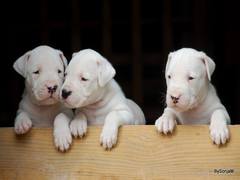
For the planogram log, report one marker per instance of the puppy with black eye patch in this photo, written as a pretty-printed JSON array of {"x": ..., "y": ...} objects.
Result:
[
  {"x": 43, "y": 69},
  {"x": 90, "y": 88},
  {"x": 190, "y": 97}
]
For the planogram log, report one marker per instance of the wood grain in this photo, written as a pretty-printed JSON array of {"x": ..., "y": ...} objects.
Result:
[{"x": 141, "y": 153}]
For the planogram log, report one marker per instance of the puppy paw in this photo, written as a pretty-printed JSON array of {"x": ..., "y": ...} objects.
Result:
[
  {"x": 62, "y": 138},
  {"x": 78, "y": 128},
  {"x": 108, "y": 137},
  {"x": 165, "y": 125},
  {"x": 219, "y": 133},
  {"x": 22, "y": 125}
]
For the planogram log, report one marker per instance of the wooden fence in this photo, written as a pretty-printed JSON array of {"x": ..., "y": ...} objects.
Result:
[{"x": 141, "y": 153}]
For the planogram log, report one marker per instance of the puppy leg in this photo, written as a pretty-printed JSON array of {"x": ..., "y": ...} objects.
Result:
[
  {"x": 22, "y": 123},
  {"x": 78, "y": 126},
  {"x": 61, "y": 132},
  {"x": 218, "y": 127},
  {"x": 166, "y": 123},
  {"x": 113, "y": 120}
]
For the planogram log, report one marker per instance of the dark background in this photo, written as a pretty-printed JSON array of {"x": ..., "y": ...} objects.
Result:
[{"x": 135, "y": 36}]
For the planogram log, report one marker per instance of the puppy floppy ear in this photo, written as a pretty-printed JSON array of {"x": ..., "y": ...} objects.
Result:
[
  {"x": 209, "y": 64},
  {"x": 105, "y": 71},
  {"x": 20, "y": 65},
  {"x": 63, "y": 59},
  {"x": 168, "y": 63}
]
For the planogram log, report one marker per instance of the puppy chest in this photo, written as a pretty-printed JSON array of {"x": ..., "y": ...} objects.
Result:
[
  {"x": 194, "y": 118},
  {"x": 95, "y": 117},
  {"x": 43, "y": 117}
]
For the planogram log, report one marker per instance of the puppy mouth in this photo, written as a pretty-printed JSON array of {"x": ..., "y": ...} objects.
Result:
[
  {"x": 179, "y": 107},
  {"x": 183, "y": 107},
  {"x": 77, "y": 104},
  {"x": 51, "y": 98},
  {"x": 67, "y": 104}
]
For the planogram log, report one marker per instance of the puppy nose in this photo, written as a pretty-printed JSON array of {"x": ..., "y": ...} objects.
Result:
[
  {"x": 66, "y": 93},
  {"x": 52, "y": 89},
  {"x": 175, "y": 99}
]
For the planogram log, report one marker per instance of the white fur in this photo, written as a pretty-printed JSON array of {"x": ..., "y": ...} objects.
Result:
[
  {"x": 97, "y": 97},
  {"x": 198, "y": 102},
  {"x": 42, "y": 67}
]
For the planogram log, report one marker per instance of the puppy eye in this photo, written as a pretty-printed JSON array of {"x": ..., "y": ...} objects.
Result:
[
  {"x": 65, "y": 74},
  {"x": 169, "y": 77},
  {"x": 36, "y": 72},
  {"x": 84, "y": 79},
  {"x": 190, "y": 78},
  {"x": 59, "y": 71}
]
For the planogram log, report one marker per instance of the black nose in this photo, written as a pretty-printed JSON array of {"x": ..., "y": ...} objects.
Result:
[
  {"x": 53, "y": 89},
  {"x": 175, "y": 99},
  {"x": 66, "y": 93}
]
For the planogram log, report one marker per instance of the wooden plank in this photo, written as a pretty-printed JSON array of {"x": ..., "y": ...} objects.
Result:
[{"x": 141, "y": 153}]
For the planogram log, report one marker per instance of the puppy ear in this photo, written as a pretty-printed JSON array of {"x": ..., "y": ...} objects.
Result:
[
  {"x": 168, "y": 62},
  {"x": 63, "y": 59},
  {"x": 21, "y": 63},
  {"x": 209, "y": 64},
  {"x": 105, "y": 71}
]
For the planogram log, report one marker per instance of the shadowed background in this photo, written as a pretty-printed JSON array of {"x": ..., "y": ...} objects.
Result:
[{"x": 135, "y": 36}]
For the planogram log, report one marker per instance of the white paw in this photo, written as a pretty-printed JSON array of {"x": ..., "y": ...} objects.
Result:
[
  {"x": 62, "y": 138},
  {"x": 219, "y": 133},
  {"x": 108, "y": 137},
  {"x": 165, "y": 125},
  {"x": 22, "y": 125},
  {"x": 78, "y": 128}
]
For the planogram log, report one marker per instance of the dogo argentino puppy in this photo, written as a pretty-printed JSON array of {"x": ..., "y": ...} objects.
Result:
[
  {"x": 191, "y": 98},
  {"x": 43, "y": 70},
  {"x": 90, "y": 88}
]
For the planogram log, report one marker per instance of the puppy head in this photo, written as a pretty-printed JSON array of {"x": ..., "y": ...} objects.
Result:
[
  {"x": 43, "y": 70},
  {"x": 86, "y": 75},
  {"x": 188, "y": 74}
]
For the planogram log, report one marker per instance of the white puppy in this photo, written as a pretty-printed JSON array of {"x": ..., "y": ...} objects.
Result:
[
  {"x": 191, "y": 98},
  {"x": 89, "y": 86},
  {"x": 43, "y": 70}
]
